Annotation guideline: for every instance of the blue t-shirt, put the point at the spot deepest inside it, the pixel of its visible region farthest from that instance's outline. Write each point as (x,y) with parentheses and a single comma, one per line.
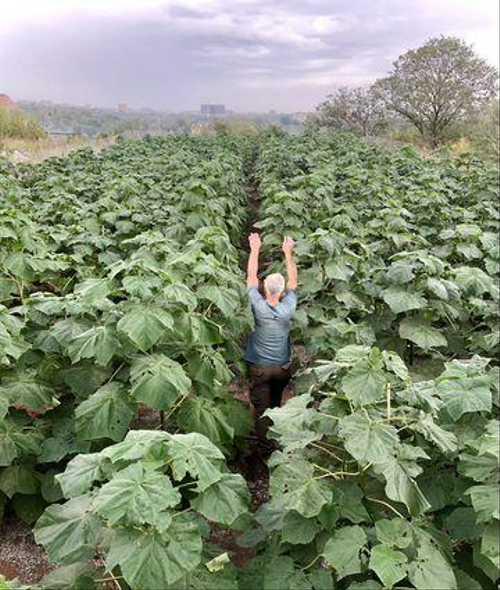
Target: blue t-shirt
(269,344)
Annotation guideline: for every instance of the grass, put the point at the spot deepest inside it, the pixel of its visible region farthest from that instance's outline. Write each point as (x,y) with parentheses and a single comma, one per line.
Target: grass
(36,150)
(15,124)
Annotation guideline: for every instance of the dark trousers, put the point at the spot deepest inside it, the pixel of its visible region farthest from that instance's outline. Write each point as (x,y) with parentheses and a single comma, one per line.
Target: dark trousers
(266,389)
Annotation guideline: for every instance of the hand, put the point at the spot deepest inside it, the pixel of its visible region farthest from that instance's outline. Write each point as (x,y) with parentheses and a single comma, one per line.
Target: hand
(288,246)
(254,240)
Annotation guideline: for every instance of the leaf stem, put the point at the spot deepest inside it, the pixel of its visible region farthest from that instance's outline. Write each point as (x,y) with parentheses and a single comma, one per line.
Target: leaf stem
(387,505)
(328,452)
(334,474)
(328,416)
(312,563)
(112,578)
(167,416)
(182,512)
(115,372)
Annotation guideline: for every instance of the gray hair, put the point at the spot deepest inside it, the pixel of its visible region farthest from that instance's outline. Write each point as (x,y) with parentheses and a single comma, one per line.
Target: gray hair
(274,284)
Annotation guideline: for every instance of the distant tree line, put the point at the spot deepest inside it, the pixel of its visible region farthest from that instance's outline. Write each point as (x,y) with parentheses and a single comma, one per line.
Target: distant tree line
(436,89)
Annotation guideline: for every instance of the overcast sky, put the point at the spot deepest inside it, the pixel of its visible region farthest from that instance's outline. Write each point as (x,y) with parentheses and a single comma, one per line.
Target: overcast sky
(252,55)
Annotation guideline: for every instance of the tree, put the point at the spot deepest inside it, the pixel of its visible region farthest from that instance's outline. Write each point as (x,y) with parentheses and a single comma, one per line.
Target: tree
(437,85)
(351,109)
(485,131)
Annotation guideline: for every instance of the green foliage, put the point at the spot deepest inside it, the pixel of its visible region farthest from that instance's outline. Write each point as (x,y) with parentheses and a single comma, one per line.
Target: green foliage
(15,124)
(121,291)
(386,474)
(438,85)
(133,491)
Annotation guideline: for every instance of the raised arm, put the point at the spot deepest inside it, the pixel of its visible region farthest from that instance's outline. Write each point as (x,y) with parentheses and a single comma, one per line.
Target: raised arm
(253,260)
(291,267)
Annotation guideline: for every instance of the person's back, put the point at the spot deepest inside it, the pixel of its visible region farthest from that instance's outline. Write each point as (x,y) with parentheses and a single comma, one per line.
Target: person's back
(269,344)
(268,351)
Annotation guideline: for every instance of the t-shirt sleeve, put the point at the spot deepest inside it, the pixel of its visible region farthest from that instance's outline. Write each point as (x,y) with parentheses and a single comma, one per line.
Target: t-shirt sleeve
(254,296)
(289,301)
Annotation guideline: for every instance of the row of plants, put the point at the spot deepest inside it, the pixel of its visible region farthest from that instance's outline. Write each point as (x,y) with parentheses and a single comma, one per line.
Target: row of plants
(120,296)
(387,470)
(121,288)
(404,247)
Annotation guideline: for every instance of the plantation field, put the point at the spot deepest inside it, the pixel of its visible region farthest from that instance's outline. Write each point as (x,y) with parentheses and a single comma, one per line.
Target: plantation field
(123,313)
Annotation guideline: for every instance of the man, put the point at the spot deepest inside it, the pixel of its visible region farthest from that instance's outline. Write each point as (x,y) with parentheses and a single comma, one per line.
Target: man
(268,352)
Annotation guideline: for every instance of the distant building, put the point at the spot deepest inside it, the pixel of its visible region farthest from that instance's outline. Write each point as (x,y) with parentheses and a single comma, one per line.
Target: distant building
(211,110)
(6,102)
(123,107)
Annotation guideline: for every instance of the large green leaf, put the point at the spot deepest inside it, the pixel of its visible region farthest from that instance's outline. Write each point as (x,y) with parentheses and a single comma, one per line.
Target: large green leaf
(209,369)
(80,474)
(295,486)
(347,498)
(461,524)
(93,291)
(85,378)
(342,550)
(225,500)
(338,269)
(388,564)
(204,416)
(78,576)
(465,582)
(479,468)
(395,364)
(394,532)
(150,559)
(431,570)
(17,441)
(489,443)
(225,299)
(158,381)
(291,423)
(421,333)
(400,272)
(445,440)
(365,383)
(18,479)
(400,473)
(401,300)
(145,325)
(24,392)
(490,543)
(137,445)
(475,281)
(297,529)
(486,501)
(438,288)
(99,343)
(280,574)
(368,441)
(465,394)
(68,531)
(105,414)
(136,496)
(193,453)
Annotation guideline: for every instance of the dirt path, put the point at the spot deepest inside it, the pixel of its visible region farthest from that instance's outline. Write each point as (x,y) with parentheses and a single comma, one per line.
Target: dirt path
(20,556)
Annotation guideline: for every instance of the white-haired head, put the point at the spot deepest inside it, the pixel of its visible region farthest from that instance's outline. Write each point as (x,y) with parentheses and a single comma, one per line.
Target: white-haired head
(274,284)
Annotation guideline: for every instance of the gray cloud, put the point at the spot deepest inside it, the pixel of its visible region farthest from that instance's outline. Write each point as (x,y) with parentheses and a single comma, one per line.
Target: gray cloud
(249,54)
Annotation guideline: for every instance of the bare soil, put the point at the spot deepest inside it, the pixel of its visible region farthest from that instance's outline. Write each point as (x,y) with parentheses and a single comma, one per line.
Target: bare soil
(20,556)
